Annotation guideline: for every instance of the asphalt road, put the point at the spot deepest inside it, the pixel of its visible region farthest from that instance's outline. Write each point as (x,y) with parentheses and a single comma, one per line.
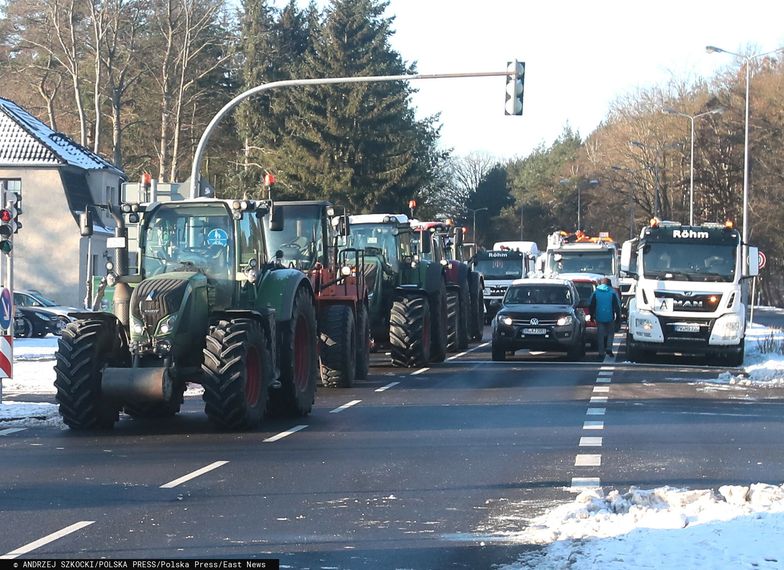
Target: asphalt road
(409,469)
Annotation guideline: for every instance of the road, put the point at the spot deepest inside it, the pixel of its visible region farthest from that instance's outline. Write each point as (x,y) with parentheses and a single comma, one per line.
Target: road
(419,468)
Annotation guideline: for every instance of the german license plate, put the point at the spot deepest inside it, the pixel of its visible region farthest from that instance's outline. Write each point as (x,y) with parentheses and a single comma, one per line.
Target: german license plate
(534,331)
(687,328)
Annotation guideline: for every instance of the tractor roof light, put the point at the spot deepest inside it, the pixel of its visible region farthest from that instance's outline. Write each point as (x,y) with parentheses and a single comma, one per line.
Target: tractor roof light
(729,225)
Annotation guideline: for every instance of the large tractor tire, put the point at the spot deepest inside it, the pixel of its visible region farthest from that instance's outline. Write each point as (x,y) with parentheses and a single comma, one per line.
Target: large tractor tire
(464,333)
(338,348)
(453,320)
(363,342)
(477,309)
(142,410)
(84,349)
(237,373)
(440,330)
(299,368)
(410,331)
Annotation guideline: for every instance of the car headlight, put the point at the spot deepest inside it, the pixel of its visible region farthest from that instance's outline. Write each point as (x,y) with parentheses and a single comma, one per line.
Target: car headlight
(564,321)
(506,320)
(166,326)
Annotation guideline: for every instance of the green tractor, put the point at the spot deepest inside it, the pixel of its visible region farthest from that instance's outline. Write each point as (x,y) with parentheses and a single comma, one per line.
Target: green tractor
(406,293)
(207,307)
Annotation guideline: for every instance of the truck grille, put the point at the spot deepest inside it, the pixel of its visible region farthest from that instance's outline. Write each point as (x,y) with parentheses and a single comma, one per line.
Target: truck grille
(692,303)
(155,298)
(498,290)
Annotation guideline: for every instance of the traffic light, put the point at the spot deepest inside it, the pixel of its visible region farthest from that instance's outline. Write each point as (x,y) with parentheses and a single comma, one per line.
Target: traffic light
(15,198)
(515,79)
(7,228)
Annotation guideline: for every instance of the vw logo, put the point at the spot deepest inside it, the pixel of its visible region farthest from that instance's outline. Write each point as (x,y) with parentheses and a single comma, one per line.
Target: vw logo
(534,321)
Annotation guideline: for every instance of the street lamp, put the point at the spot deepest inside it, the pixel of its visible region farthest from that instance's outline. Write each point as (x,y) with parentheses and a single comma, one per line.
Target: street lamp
(593,183)
(474,212)
(691,168)
(747,60)
(655,179)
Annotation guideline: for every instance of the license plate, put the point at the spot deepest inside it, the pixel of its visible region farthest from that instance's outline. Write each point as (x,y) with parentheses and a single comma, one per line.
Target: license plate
(688,328)
(534,331)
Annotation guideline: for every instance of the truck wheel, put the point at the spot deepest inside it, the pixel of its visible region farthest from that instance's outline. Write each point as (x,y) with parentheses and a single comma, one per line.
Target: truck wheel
(452,320)
(410,331)
(299,369)
(338,347)
(140,410)
(464,334)
(439,330)
(363,342)
(632,354)
(477,308)
(735,357)
(236,374)
(83,351)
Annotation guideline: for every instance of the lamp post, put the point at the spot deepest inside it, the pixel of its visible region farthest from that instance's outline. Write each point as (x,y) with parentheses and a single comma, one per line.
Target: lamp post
(691,160)
(474,212)
(593,183)
(747,61)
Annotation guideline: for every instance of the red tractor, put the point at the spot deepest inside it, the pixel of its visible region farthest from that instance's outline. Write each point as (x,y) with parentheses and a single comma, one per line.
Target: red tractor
(313,240)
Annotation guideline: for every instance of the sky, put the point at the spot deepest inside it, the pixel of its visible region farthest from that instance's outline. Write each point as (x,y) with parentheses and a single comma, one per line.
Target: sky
(731,526)
(580,56)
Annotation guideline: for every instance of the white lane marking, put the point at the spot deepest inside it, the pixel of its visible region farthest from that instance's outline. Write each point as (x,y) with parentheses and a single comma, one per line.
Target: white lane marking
(605,373)
(9,431)
(606,368)
(593,425)
(283,434)
(345,406)
(420,371)
(189,476)
(467,351)
(46,540)
(588,460)
(579,484)
(598,400)
(595,411)
(387,387)
(590,442)
(543,363)
(601,389)
(603,380)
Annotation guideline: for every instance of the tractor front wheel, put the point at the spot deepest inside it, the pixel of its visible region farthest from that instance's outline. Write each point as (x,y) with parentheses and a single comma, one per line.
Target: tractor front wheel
(338,348)
(363,342)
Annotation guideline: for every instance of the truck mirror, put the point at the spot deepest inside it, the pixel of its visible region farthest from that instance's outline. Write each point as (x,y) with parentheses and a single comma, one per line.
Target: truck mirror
(344,228)
(626,258)
(752,261)
(276,219)
(424,242)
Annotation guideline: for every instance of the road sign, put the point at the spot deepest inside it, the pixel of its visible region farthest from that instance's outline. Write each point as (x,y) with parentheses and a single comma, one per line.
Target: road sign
(5,308)
(762,260)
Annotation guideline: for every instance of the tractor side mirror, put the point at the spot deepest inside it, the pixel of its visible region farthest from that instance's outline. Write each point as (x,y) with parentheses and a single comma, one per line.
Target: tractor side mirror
(276,219)
(343,228)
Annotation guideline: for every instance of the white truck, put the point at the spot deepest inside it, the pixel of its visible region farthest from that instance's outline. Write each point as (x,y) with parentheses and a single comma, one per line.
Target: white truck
(579,253)
(692,291)
(499,268)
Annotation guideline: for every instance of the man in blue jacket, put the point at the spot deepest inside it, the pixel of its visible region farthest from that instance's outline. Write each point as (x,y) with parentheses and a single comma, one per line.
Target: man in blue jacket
(605,308)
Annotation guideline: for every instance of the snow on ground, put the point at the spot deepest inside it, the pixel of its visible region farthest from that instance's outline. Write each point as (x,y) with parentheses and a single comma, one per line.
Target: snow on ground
(666,527)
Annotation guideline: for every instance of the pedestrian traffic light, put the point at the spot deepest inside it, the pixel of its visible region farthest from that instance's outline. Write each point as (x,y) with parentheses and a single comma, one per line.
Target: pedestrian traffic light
(515,79)
(7,227)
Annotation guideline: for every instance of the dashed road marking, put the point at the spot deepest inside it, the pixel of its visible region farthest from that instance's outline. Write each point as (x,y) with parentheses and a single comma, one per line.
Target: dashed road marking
(593,425)
(601,389)
(193,475)
(590,442)
(283,434)
(46,540)
(467,351)
(579,484)
(598,400)
(603,380)
(595,411)
(587,460)
(345,406)
(420,371)
(387,387)
(9,431)
(606,369)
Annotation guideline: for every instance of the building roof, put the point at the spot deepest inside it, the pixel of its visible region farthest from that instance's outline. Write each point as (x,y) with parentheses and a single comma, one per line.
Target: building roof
(27,141)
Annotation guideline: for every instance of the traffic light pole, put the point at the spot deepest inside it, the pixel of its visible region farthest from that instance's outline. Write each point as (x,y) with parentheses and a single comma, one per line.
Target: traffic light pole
(512,75)
(7,280)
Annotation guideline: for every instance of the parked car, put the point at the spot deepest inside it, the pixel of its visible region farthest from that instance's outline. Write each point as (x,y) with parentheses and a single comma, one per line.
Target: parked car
(540,314)
(36,321)
(35,299)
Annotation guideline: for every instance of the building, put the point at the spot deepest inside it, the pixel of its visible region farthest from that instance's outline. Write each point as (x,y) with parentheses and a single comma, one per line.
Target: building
(57,180)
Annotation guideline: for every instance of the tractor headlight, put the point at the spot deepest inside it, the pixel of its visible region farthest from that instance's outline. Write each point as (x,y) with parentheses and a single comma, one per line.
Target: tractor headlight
(166,326)
(137,326)
(564,321)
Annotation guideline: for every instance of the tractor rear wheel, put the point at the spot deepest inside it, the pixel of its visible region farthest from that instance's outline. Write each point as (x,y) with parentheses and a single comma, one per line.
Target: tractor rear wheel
(338,348)
(452,320)
(237,374)
(410,331)
(299,369)
(84,349)
(363,342)
(438,311)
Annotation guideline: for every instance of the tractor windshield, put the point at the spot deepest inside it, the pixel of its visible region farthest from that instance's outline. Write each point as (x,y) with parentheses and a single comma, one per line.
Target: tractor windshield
(384,239)
(189,237)
(302,239)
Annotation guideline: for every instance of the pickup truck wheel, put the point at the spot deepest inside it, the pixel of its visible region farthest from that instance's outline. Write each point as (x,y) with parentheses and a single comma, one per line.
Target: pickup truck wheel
(83,352)
(236,374)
